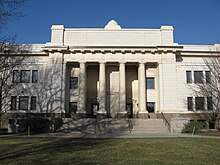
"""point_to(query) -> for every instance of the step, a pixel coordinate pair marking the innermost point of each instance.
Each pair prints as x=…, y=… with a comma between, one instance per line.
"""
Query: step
x=93, y=125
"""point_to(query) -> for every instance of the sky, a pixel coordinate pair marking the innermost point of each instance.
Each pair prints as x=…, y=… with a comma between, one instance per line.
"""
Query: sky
x=194, y=21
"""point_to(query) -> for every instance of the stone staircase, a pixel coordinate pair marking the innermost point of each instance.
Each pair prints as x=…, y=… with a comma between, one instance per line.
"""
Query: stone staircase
x=149, y=126
x=111, y=125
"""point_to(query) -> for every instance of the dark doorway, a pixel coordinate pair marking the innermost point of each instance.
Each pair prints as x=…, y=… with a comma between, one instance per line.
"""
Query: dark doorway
x=129, y=109
x=151, y=107
x=211, y=124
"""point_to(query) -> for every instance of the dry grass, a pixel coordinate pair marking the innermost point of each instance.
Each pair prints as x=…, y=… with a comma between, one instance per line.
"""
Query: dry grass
x=109, y=151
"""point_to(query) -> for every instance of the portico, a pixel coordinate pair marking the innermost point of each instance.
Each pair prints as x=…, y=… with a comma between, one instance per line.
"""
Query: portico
x=108, y=87
x=114, y=72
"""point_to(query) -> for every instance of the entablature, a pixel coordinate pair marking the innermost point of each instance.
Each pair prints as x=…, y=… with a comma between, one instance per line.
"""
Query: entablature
x=113, y=49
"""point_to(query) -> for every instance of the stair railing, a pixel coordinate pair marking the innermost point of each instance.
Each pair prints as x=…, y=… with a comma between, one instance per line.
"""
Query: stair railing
x=130, y=124
x=96, y=124
x=166, y=121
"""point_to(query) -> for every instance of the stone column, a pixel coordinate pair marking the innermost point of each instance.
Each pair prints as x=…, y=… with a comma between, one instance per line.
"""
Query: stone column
x=142, y=88
x=82, y=89
x=102, y=89
x=122, y=94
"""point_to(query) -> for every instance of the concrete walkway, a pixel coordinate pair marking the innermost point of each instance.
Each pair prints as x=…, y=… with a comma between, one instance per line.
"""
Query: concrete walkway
x=113, y=135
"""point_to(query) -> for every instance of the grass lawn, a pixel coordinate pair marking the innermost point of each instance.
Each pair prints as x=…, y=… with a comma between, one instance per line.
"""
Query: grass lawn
x=20, y=150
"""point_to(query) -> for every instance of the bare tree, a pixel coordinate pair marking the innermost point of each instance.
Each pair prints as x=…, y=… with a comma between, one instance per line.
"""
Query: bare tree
x=8, y=60
x=8, y=11
x=210, y=88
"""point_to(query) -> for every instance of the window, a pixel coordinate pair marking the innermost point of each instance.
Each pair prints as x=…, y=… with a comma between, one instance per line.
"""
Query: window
x=13, y=103
x=25, y=76
x=73, y=107
x=73, y=82
x=34, y=76
x=11, y=121
x=198, y=77
x=200, y=103
x=23, y=103
x=150, y=107
x=188, y=77
x=150, y=83
x=208, y=77
x=190, y=103
x=16, y=76
x=209, y=103
x=33, y=103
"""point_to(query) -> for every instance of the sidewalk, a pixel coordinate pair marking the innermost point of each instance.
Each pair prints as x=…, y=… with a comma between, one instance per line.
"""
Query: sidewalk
x=113, y=135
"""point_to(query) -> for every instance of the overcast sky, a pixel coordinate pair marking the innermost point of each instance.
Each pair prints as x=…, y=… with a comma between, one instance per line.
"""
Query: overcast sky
x=194, y=21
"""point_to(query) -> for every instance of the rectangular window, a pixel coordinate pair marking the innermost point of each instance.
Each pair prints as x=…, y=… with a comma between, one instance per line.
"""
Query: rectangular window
x=209, y=103
x=34, y=76
x=208, y=76
x=198, y=77
x=190, y=103
x=11, y=121
x=150, y=107
x=200, y=103
x=73, y=107
x=16, y=76
x=25, y=76
x=150, y=83
x=73, y=82
x=188, y=77
x=33, y=103
x=13, y=103
x=23, y=103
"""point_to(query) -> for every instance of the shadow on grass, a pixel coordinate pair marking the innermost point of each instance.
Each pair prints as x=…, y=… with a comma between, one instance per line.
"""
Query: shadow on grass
x=39, y=150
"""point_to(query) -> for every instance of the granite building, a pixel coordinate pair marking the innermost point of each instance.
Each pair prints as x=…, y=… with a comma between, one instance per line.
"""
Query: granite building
x=112, y=72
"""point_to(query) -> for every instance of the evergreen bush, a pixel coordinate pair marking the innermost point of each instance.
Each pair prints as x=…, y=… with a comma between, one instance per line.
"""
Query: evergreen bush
x=188, y=127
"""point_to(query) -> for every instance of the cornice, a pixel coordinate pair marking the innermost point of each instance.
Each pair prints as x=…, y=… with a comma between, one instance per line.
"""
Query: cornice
x=25, y=54
x=113, y=49
x=55, y=48
x=199, y=53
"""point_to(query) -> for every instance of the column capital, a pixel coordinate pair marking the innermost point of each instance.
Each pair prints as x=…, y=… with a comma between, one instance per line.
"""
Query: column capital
x=142, y=62
x=82, y=61
x=122, y=61
x=102, y=62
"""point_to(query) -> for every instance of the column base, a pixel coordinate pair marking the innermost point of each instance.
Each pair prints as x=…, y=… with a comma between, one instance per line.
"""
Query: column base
x=102, y=114
x=81, y=114
x=122, y=114
x=143, y=115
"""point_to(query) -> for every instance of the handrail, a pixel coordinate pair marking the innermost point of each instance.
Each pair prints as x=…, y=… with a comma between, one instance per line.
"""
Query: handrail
x=166, y=121
x=130, y=124
x=97, y=124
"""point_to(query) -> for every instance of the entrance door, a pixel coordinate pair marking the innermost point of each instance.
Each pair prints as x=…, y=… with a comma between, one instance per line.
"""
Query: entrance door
x=95, y=108
x=129, y=109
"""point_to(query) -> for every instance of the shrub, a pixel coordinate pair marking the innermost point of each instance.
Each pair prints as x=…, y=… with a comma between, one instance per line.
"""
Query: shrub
x=55, y=124
x=37, y=124
x=188, y=127
x=3, y=130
